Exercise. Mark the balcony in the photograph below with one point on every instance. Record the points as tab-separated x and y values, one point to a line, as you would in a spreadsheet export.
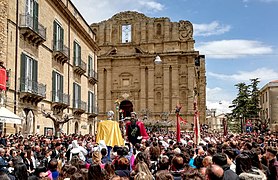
32	91
31	30
92	111
92	76
79	107
79	66
60	51
60	100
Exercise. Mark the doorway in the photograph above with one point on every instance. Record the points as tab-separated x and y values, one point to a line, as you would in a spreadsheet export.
126	107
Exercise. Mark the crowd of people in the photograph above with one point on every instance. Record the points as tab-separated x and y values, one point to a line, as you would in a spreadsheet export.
79	157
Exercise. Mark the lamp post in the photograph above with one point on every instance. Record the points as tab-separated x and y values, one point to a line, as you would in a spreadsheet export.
117	104
241	123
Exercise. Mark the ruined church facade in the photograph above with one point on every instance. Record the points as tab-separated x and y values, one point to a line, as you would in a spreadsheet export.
130	80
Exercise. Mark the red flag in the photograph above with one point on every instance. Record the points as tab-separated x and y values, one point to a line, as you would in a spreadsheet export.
182	120
3	78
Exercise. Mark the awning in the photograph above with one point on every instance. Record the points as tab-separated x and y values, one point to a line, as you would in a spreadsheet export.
7	116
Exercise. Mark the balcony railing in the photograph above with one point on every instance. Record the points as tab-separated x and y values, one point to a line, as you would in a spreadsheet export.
93	110
60	97
93	76
59	46
32	87
79	65
79	105
27	21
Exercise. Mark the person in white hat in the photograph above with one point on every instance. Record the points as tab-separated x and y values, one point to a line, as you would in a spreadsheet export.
77	150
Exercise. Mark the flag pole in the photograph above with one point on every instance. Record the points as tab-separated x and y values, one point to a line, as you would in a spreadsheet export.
178	108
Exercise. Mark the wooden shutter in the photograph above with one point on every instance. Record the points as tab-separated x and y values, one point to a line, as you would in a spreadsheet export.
74	53
35	76
89	66
74	89
61	88
54	91
54	35
36	16
79	54
89	102
22	72
61	38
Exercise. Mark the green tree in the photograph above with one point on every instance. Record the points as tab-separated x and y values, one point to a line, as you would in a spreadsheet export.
246	104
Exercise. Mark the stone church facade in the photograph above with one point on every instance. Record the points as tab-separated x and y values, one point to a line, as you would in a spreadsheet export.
129	80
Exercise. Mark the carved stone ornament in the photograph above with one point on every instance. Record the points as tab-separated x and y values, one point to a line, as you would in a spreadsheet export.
186	30
125	95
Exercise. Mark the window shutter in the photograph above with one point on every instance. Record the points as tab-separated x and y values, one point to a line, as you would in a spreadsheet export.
89	66
36	16
74	89
62	88
35	76
54	91
89	102
79	95
79	55
54	35
74	53
22	72
61	38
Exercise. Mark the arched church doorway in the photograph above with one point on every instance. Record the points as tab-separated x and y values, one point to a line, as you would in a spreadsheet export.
76	128
126	107
28	121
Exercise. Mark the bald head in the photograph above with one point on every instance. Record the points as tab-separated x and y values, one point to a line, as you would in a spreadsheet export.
214	172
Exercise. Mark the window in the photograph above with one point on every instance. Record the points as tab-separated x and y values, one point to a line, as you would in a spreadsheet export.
126	33
158	29
29	74
91	66
76	96
91	102
57	87
32	12
265	96
58	36
76	54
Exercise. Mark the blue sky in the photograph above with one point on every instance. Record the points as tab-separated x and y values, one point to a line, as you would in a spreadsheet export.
238	37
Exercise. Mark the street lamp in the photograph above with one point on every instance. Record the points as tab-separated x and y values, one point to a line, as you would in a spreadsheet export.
157	60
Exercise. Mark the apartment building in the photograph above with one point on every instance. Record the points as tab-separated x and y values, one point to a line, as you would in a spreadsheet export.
51	58
269	104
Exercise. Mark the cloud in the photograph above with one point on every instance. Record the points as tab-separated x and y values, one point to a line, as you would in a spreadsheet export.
269	1
218	99
213	28
152	5
264	74
232	49
95	11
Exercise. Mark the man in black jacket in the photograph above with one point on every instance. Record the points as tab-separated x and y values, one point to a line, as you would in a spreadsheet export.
220	159
271	153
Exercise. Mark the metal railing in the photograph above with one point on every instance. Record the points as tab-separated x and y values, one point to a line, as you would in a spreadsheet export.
27	85
79	63
26	20
93	109
60	97
92	74
78	104
61	47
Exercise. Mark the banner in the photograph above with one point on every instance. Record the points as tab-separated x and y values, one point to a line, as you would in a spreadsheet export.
3	79
182	120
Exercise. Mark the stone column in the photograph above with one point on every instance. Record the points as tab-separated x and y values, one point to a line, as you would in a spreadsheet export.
143	32
101	34
167	30
166	85
143	88
175	86
109	100
151	88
